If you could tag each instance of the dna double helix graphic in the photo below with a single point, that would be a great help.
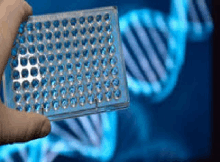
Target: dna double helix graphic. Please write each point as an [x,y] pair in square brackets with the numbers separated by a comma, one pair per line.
[154,46]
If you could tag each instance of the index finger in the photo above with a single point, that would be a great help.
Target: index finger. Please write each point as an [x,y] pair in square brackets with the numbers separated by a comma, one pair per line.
[12,13]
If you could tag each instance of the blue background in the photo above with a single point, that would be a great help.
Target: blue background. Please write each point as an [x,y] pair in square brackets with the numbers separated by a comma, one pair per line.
[176,128]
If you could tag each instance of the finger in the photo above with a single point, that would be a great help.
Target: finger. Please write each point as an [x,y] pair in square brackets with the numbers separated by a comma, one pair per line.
[27,11]
[12,13]
[18,126]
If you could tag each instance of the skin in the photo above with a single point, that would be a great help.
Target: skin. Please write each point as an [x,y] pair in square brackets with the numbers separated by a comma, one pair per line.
[16,126]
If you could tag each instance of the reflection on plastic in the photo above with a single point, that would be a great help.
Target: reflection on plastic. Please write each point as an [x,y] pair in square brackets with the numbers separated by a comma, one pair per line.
[166,37]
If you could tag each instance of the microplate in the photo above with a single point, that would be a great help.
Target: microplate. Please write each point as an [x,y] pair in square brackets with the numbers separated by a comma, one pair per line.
[67,65]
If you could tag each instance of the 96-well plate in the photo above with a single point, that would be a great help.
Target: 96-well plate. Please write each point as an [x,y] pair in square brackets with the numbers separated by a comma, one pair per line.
[67,65]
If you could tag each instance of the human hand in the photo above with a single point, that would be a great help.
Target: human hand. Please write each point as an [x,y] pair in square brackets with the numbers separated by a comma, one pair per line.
[16,126]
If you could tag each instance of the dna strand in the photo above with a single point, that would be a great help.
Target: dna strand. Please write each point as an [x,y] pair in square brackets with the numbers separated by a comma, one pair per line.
[154,45]
[161,40]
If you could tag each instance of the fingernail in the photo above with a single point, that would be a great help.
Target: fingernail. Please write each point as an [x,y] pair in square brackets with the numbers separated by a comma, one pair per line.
[46,128]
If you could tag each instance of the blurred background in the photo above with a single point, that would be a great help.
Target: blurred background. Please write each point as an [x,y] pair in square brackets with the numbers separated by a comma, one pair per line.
[167,48]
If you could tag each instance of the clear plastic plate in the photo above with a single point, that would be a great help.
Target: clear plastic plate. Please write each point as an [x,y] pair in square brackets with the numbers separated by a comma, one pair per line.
[67,65]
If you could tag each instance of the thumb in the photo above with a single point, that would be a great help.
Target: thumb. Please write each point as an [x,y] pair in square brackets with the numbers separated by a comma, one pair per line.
[18,126]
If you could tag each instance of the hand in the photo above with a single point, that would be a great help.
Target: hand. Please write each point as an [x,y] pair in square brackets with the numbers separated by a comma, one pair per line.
[16,126]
